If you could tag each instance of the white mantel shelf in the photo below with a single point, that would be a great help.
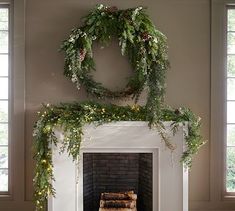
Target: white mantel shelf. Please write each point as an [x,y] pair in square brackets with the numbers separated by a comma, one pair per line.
[170,179]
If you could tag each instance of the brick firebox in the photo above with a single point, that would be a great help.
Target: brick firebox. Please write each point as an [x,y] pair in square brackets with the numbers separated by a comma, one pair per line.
[117,172]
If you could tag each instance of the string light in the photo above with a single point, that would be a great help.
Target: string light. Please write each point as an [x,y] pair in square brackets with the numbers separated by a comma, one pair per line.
[72,124]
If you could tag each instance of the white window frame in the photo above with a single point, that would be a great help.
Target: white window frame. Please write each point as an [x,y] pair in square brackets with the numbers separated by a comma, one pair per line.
[15,197]
[8,5]
[226,193]
[218,100]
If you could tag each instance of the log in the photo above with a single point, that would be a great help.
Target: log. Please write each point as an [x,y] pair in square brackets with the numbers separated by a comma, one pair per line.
[119,196]
[118,203]
[117,209]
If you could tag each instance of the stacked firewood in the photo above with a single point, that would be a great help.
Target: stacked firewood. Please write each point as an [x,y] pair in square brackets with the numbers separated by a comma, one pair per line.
[125,201]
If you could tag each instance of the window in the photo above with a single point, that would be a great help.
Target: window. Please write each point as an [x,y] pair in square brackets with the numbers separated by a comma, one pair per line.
[4,97]
[230,101]
[12,107]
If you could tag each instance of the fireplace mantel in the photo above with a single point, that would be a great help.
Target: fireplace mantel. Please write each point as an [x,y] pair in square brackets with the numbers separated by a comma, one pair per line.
[170,179]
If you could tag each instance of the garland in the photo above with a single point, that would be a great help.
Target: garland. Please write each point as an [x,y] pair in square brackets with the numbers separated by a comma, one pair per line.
[139,40]
[72,118]
[146,49]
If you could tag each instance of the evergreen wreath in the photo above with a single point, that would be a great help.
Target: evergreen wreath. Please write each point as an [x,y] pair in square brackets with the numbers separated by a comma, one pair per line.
[146,49]
[139,40]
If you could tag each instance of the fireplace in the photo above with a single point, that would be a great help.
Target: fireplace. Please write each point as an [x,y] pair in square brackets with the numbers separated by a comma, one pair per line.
[122,156]
[117,172]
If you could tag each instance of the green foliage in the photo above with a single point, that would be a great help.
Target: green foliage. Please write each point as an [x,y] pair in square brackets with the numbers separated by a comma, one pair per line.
[230,158]
[146,49]
[139,40]
[231,19]
[230,169]
[3,15]
[72,117]
[231,65]
[3,116]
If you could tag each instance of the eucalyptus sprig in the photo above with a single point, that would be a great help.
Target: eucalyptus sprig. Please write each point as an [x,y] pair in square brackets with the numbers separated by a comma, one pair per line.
[72,117]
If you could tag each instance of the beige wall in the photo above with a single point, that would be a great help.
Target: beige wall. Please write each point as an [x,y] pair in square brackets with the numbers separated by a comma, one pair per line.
[187,26]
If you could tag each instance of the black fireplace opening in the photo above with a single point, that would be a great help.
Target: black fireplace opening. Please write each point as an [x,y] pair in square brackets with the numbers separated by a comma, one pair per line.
[117,172]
